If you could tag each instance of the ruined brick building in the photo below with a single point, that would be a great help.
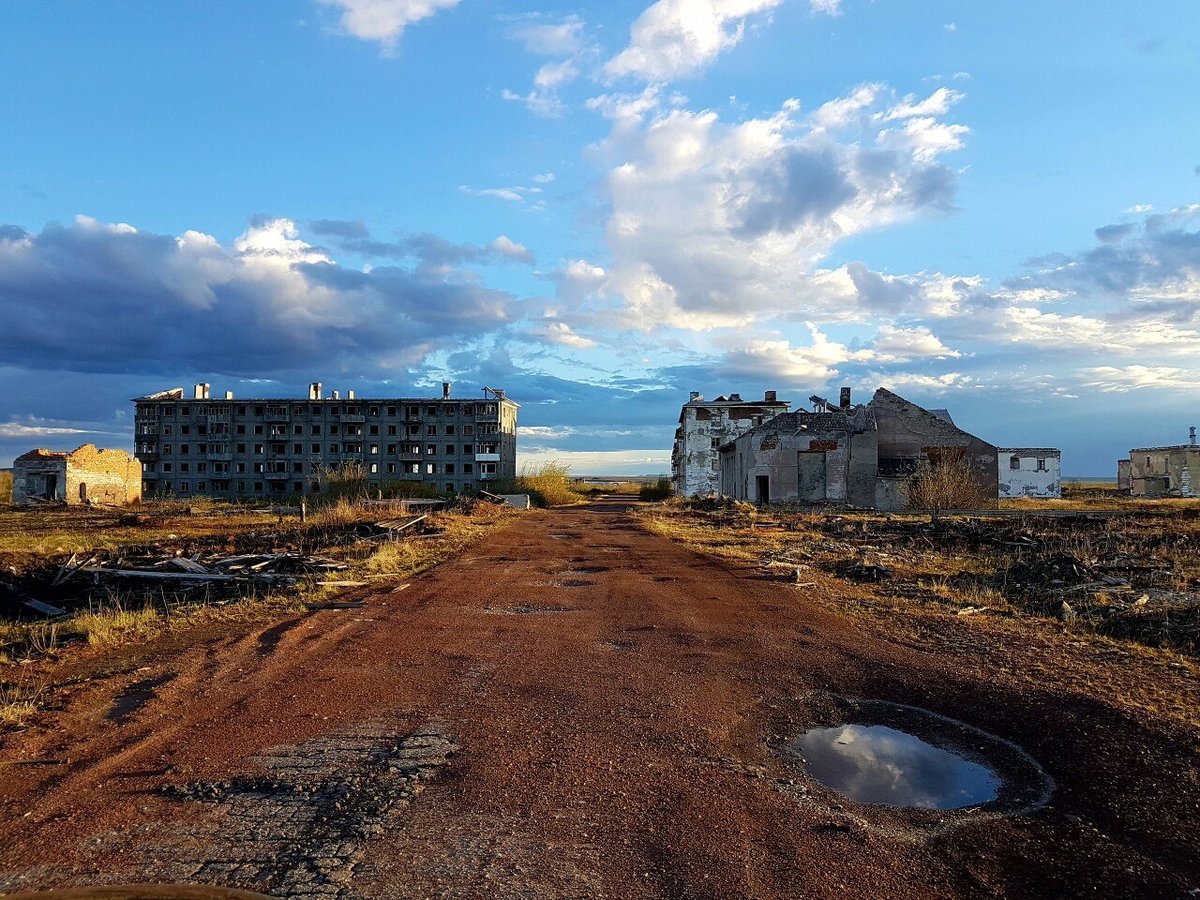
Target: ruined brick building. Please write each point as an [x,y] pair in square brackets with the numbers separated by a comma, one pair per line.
[245,448]
[866,455]
[704,425]
[81,476]
[1172,471]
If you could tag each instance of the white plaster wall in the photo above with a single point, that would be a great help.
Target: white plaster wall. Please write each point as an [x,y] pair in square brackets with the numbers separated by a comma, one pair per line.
[699,458]
[1028,481]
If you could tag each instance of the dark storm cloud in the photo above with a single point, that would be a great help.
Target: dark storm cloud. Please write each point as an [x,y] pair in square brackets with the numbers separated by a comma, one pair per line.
[99,298]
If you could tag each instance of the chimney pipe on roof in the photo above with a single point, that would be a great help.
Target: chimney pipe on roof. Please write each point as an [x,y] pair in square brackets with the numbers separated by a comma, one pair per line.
[445,390]
[314,391]
[201,391]
[336,396]
[695,396]
[229,395]
[735,398]
[845,402]
[349,395]
[769,397]
[1192,436]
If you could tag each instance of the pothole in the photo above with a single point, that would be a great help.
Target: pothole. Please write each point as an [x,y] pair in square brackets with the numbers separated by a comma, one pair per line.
[135,697]
[889,755]
[878,764]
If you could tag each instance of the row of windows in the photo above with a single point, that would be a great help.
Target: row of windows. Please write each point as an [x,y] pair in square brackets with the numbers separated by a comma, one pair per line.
[314,430]
[319,409]
[298,468]
[151,486]
[320,450]
[1014,463]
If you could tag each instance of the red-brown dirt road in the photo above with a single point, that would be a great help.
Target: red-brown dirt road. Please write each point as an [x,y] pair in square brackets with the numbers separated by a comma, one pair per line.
[576,708]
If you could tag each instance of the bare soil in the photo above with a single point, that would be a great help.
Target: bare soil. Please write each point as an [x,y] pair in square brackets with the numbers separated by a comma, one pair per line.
[577,707]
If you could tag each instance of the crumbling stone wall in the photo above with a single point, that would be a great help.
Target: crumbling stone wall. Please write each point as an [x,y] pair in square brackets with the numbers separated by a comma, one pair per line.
[910,438]
[805,457]
[39,476]
[110,477]
[703,430]
[85,475]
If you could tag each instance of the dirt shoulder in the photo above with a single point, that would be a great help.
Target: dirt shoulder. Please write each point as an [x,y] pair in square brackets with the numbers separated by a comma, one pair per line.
[576,706]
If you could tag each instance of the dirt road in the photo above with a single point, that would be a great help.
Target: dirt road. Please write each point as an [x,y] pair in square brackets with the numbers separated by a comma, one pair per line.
[576,709]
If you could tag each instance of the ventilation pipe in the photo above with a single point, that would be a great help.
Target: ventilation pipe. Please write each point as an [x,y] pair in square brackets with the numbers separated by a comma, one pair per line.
[314,391]
[445,390]
[769,397]
[349,395]
[1192,436]
[845,399]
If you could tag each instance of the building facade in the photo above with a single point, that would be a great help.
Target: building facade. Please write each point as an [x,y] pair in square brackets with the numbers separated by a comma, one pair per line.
[706,425]
[276,447]
[1030,472]
[82,476]
[1165,471]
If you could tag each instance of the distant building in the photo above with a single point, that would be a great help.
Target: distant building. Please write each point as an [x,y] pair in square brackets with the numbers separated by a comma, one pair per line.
[81,476]
[1165,471]
[866,455]
[1124,482]
[1030,472]
[279,446]
[704,425]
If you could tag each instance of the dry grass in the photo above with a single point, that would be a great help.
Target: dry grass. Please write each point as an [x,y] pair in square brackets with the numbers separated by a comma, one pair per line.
[547,485]
[19,701]
[6,483]
[1135,578]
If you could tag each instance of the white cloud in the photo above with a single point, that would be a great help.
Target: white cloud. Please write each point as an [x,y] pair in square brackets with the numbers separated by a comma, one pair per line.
[901,345]
[674,38]
[544,178]
[560,333]
[717,223]
[506,246]
[513,194]
[384,20]
[1122,379]
[829,7]
[20,430]
[562,38]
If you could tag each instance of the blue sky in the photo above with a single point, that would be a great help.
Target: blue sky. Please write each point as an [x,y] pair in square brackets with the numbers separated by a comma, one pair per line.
[599,207]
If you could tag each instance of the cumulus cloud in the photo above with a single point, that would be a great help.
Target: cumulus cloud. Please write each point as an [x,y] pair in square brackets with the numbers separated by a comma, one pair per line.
[267,303]
[560,333]
[512,194]
[717,223]
[674,38]
[383,21]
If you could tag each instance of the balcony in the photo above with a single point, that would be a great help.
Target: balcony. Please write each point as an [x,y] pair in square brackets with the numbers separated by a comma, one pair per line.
[487,457]
[488,476]
[277,476]
[352,419]
[147,452]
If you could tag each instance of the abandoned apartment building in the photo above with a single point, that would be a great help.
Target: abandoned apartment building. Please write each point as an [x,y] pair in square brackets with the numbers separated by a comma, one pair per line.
[705,425]
[82,476]
[1030,472]
[1172,471]
[231,448]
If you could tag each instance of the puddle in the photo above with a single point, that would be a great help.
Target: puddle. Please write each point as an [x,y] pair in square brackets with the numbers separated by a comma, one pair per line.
[890,754]
[878,764]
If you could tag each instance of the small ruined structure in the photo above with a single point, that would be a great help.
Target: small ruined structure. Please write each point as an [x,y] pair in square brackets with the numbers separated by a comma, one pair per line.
[281,446]
[1165,471]
[84,475]
[1030,472]
[705,425]
[866,455]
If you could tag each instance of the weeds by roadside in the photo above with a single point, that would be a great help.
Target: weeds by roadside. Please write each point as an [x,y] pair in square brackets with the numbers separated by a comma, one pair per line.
[547,485]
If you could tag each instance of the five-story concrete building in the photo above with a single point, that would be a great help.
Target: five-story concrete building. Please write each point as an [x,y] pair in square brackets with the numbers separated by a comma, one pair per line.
[274,447]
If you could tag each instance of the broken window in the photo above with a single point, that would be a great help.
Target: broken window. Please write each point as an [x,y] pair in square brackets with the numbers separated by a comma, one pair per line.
[166,467]
[297,429]
[316,429]
[183,449]
[449,429]
[372,410]
[430,449]
[258,429]
[374,429]
[241,429]
[333,429]
[374,449]
[468,429]
[201,467]
[431,430]
[315,448]
[297,467]
[374,468]
[183,487]
[431,411]
[466,468]
[391,467]
[240,468]
[297,448]
[391,410]
[1041,465]
[1015,463]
